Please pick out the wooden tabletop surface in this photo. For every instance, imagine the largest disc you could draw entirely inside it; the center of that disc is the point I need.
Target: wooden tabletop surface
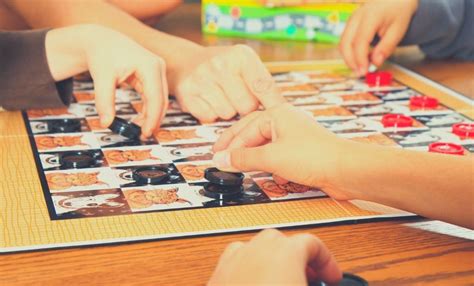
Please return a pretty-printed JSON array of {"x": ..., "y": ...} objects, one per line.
[{"x": 384, "y": 253}]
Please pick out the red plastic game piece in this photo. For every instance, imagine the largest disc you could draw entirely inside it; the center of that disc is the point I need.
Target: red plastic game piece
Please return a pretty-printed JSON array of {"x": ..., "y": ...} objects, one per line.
[
  {"x": 446, "y": 148},
  {"x": 465, "y": 130},
  {"x": 378, "y": 78},
  {"x": 424, "y": 101},
  {"x": 396, "y": 120}
]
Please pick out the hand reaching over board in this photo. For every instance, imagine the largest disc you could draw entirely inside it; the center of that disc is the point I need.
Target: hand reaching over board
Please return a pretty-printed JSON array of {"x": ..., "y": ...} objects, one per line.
[
  {"x": 387, "y": 19},
  {"x": 291, "y": 145},
  {"x": 285, "y": 142},
  {"x": 221, "y": 82},
  {"x": 271, "y": 258},
  {"x": 111, "y": 58}
]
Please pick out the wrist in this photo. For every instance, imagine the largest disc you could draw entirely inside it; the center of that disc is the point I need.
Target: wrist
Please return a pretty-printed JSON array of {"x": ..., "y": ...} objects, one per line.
[
  {"x": 65, "y": 53},
  {"x": 350, "y": 176},
  {"x": 166, "y": 47}
]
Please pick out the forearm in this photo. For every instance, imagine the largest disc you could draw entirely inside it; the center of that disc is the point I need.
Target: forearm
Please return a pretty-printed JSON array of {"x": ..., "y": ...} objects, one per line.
[
  {"x": 71, "y": 12},
  {"x": 432, "y": 185}
]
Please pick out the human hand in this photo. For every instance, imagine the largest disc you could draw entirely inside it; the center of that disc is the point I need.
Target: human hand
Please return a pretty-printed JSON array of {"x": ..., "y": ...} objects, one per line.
[
  {"x": 288, "y": 143},
  {"x": 221, "y": 82},
  {"x": 271, "y": 258},
  {"x": 111, "y": 58},
  {"x": 387, "y": 19}
]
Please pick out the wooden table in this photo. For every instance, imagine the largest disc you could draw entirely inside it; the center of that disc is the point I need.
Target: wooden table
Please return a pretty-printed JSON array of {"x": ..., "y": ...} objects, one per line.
[{"x": 385, "y": 253}]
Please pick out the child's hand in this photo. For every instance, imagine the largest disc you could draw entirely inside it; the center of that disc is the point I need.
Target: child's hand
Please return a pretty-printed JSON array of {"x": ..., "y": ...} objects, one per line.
[
  {"x": 111, "y": 58},
  {"x": 387, "y": 19},
  {"x": 221, "y": 82},
  {"x": 295, "y": 148},
  {"x": 271, "y": 258}
]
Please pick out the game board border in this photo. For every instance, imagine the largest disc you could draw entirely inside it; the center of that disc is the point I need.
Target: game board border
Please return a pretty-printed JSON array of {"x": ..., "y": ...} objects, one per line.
[
  {"x": 39, "y": 166},
  {"x": 202, "y": 234}
]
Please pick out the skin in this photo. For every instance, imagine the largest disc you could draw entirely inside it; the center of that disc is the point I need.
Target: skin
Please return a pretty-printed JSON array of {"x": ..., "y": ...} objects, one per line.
[
  {"x": 112, "y": 58},
  {"x": 271, "y": 258},
  {"x": 210, "y": 83},
  {"x": 387, "y": 19},
  {"x": 288, "y": 143}
]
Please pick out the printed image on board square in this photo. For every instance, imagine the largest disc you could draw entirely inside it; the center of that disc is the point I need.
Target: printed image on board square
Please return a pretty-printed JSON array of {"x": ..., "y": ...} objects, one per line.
[
  {"x": 90, "y": 204},
  {"x": 103, "y": 185}
]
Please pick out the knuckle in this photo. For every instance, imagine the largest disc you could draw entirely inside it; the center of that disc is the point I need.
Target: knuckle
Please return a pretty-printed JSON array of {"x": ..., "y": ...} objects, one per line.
[
  {"x": 217, "y": 65},
  {"x": 248, "y": 106},
  {"x": 243, "y": 49},
  {"x": 228, "y": 114},
  {"x": 271, "y": 233}
]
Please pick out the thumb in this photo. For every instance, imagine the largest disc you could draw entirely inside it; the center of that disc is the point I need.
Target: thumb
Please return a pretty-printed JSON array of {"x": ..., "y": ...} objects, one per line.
[{"x": 243, "y": 159}]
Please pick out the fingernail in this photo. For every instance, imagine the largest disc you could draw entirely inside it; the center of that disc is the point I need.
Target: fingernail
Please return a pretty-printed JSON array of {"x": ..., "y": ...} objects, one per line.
[
  {"x": 362, "y": 71},
  {"x": 105, "y": 120},
  {"x": 222, "y": 160}
]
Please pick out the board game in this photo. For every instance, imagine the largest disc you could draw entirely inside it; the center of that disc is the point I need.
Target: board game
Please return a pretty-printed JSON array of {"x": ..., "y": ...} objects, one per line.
[{"x": 102, "y": 197}]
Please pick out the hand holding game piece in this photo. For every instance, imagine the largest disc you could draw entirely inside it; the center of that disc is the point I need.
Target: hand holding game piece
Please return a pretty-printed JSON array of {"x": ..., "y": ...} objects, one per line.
[
  {"x": 221, "y": 82},
  {"x": 111, "y": 58},
  {"x": 387, "y": 19},
  {"x": 272, "y": 258},
  {"x": 285, "y": 142}
]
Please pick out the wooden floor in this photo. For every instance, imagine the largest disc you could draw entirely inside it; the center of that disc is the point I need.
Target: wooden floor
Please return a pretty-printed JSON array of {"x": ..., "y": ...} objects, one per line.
[{"x": 384, "y": 253}]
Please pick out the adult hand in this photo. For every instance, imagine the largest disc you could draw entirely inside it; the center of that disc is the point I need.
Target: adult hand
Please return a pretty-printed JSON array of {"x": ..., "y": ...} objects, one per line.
[
  {"x": 288, "y": 143},
  {"x": 271, "y": 258},
  {"x": 221, "y": 82}
]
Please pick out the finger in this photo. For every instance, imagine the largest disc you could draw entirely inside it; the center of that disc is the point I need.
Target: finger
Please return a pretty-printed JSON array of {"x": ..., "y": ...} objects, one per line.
[
  {"x": 230, "y": 250},
  {"x": 226, "y": 137},
  {"x": 215, "y": 97},
  {"x": 238, "y": 94},
  {"x": 267, "y": 235},
  {"x": 165, "y": 92},
  {"x": 200, "y": 109},
  {"x": 318, "y": 257},
  {"x": 155, "y": 99},
  {"x": 387, "y": 44},
  {"x": 255, "y": 133},
  {"x": 245, "y": 159},
  {"x": 104, "y": 88},
  {"x": 257, "y": 78},
  {"x": 347, "y": 38},
  {"x": 365, "y": 34}
]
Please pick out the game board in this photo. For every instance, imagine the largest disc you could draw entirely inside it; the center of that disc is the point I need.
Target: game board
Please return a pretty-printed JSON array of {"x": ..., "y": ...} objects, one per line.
[{"x": 44, "y": 204}]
